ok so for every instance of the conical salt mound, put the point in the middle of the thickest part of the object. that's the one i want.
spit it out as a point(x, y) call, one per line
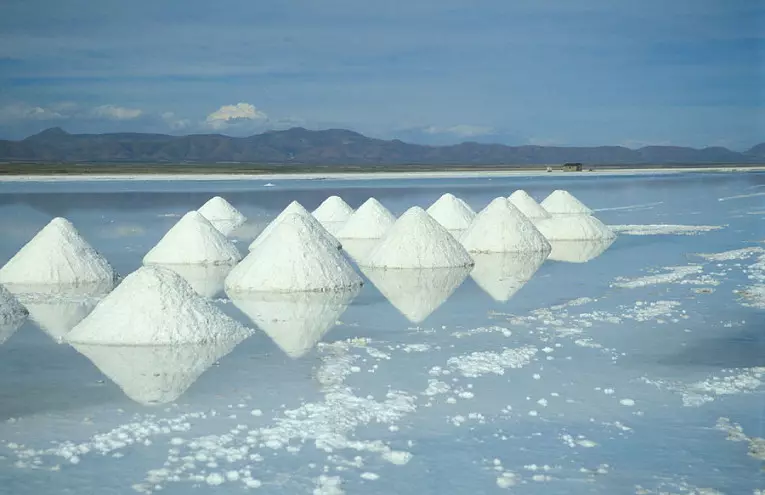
point(528, 206)
point(332, 210)
point(153, 375)
point(56, 255)
point(451, 212)
point(417, 293)
point(561, 202)
point(295, 208)
point(501, 275)
point(578, 251)
point(295, 257)
point(502, 228)
point(10, 308)
point(206, 280)
point(574, 228)
point(294, 321)
point(222, 215)
point(371, 221)
point(359, 249)
point(155, 306)
point(193, 240)
point(416, 240)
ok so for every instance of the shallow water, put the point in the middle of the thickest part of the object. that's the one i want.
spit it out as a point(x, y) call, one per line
point(596, 396)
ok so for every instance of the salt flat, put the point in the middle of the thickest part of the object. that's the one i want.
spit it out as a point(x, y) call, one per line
point(641, 370)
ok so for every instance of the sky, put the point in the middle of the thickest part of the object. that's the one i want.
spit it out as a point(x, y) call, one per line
point(555, 72)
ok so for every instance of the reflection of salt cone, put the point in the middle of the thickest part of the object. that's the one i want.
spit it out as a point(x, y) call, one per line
point(359, 249)
point(206, 280)
point(578, 251)
point(155, 374)
point(57, 309)
point(416, 293)
point(295, 321)
point(501, 275)
point(9, 328)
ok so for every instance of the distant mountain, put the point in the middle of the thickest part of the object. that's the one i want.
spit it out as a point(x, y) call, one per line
point(334, 147)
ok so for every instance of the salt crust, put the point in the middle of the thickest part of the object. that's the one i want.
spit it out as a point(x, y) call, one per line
point(294, 321)
point(416, 240)
point(206, 280)
point(193, 240)
point(294, 257)
point(528, 206)
point(574, 228)
point(333, 210)
point(156, 374)
point(370, 221)
point(56, 255)
point(578, 251)
point(222, 215)
point(295, 208)
point(562, 202)
point(501, 275)
point(416, 293)
point(155, 306)
point(10, 308)
point(451, 212)
point(502, 228)
point(663, 229)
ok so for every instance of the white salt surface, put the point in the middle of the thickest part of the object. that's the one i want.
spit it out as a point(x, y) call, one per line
point(502, 228)
point(155, 306)
point(451, 212)
point(370, 221)
point(206, 280)
point(416, 293)
point(662, 229)
point(501, 275)
point(670, 275)
point(416, 240)
point(222, 215)
point(11, 309)
point(56, 255)
point(561, 202)
point(294, 321)
point(193, 240)
point(359, 249)
point(578, 251)
point(480, 363)
point(528, 206)
point(296, 256)
point(295, 208)
point(333, 210)
point(574, 228)
point(736, 254)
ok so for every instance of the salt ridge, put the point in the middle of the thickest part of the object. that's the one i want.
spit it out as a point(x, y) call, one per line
point(155, 306)
point(574, 228)
point(370, 221)
point(56, 255)
point(295, 208)
point(416, 240)
point(193, 240)
point(296, 256)
point(502, 228)
point(561, 202)
point(451, 212)
point(222, 215)
point(528, 206)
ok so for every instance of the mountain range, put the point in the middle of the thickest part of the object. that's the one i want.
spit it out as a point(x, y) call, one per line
point(337, 147)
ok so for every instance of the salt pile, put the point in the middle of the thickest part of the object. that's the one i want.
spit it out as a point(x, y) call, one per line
point(528, 206)
point(416, 240)
point(371, 221)
point(206, 280)
point(451, 212)
point(56, 255)
point(193, 240)
point(359, 249)
point(502, 228)
point(417, 293)
point(295, 208)
point(12, 314)
point(332, 213)
point(155, 306)
point(501, 275)
point(296, 256)
point(152, 375)
point(222, 215)
point(562, 202)
point(578, 251)
point(294, 321)
point(574, 228)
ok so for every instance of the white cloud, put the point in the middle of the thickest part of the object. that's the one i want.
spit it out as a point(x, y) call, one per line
point(232, 113)
point(114, 112)
point(22, 111)
point(461, 130)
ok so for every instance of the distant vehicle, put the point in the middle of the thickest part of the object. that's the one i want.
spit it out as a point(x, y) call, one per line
point(549, 169)
point(572, 167)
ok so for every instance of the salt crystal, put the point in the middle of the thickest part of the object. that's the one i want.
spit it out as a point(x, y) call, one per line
point(294, 257)
point(562, 202)
point(574, 228)
point(370, 221)
point(451, 212)
point(222, 215)
point(295, 208)
point(193, 240)
point(502, 228)
point(528, 206)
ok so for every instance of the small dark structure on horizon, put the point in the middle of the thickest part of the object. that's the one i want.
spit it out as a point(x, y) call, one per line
point(572, 167)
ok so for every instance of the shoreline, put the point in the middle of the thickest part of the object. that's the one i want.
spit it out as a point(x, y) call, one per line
point(443, 174)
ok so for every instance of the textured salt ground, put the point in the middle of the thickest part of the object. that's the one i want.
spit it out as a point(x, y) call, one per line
point(661, 229)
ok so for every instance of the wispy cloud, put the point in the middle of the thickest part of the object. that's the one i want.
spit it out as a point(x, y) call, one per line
point(23, 111)
point(114, 112)
point(230, 114)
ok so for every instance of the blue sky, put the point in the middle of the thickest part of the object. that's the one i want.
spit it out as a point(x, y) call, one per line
point(586, 72)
